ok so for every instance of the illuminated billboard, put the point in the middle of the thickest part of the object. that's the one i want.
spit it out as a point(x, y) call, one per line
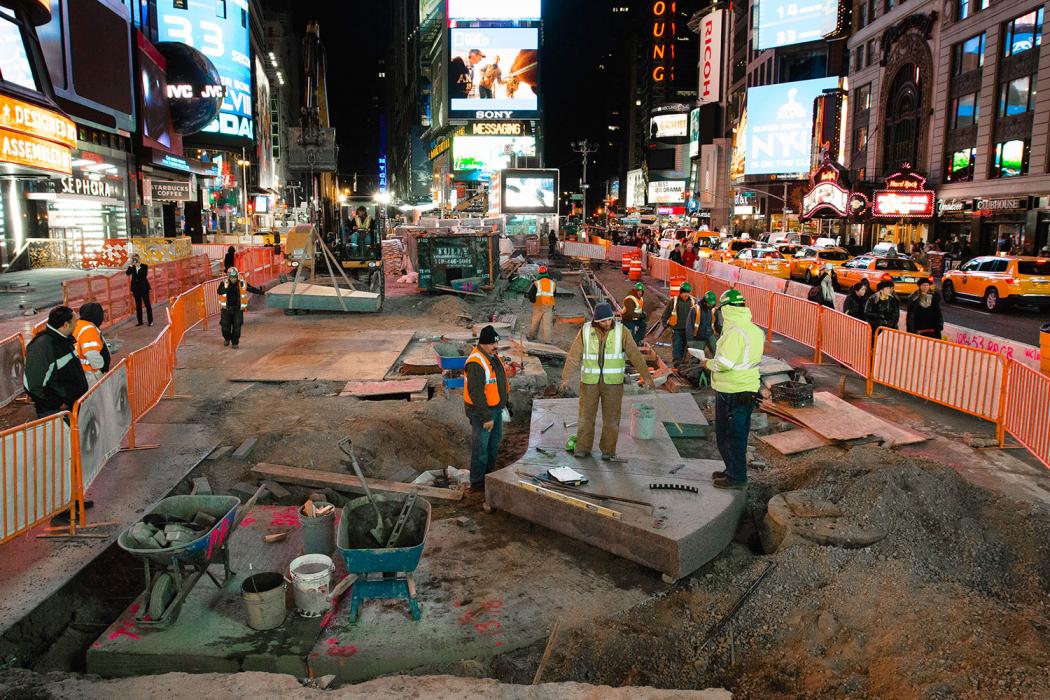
point(488, 154)
point(669, 126)
point(786, 22)
point(667, 192)
point(220, 32)
point(493, 73)
point(778, 137)
point(494, 9)
point(529, 192)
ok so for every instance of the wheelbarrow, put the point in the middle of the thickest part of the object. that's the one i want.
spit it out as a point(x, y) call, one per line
point(172, 572)
point(382, 573)
point(452, 359)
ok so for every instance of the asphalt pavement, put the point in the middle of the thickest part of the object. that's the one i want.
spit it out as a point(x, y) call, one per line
point(1019, 323)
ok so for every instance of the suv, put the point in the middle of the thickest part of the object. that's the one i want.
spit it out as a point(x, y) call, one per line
point(999, 280)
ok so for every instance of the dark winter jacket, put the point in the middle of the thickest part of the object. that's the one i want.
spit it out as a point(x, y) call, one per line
point(53, 376)
point(882, 313)
point(706, 328)
point(233, 295)
point(684, 306)
point(139, 275)
point(475, 378)
point(854, 305)
point(927, 321)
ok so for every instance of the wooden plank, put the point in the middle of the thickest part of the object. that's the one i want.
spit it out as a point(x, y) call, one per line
point(542, 349)
point(794, 441)
point(893, 434)
point(835, 420)
point(360, 356)
point(347, 482)
point(384, 388)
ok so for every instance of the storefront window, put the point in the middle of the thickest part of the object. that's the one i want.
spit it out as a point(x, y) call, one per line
point(965, 110)
point(1011, 158)
point(1016, 96)
point(14, 60)
point(1023, 33)
point(960, 165)
point(968, 55)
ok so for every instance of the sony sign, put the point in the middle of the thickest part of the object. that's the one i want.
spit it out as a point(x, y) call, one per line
point(711, 58)
point(493, 114)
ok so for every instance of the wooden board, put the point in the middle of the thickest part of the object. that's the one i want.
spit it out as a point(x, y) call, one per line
point(834, 419)
point(314, 297)
point(893, 434)
point(385, 388)
point(359, 356)
point(346, 482)
point(542, 349)
point(794, 441)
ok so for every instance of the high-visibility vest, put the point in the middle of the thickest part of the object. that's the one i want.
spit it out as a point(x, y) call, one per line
point(88, 339)
point(491, 385)
point(545, 292)
point(614, 365)
point(244, 294)
point(364, 224)
point(638, 306)
point(673, 320)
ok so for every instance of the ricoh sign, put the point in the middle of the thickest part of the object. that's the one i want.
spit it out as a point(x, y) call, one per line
point(711, 58)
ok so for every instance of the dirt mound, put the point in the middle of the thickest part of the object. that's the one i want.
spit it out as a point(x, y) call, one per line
point(952, 602)
point(447, 309)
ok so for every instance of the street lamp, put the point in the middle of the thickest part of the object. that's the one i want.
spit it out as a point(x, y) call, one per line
point(383, 200)
point(244, 163)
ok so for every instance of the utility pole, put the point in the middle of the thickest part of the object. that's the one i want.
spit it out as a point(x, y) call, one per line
point(585, 148)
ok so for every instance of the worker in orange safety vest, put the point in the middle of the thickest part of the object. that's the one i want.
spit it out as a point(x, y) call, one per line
point(541, 294)
point(91, 346)
point(486, 392)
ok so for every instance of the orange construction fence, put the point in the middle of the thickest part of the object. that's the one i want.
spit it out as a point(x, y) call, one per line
point(846, 340)
point(797, 319)
point(36, 475)
point(1026, 414)
point(760, 302)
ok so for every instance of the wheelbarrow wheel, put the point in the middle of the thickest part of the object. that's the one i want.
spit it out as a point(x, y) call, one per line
point(161, 596)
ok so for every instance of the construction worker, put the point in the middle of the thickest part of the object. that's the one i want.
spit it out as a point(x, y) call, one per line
point(53, 377)
point(362, 226)
point(91, 346)
point(541, 294)
point(233, 300)
point(735, 379)
point(486, 393)
point(700, 330)
point(634, 313)
point(676, 316)
point(601, 350)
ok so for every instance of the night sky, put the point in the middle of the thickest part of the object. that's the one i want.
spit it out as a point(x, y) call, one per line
point(577, 36)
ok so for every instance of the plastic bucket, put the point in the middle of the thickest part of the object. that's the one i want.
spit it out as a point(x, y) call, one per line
point(318, 533)
point(643, 422)
point(263, 596)
point(311, 576)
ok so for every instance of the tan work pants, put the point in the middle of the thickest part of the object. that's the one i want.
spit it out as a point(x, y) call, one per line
point(542, 323)
point(611, 398)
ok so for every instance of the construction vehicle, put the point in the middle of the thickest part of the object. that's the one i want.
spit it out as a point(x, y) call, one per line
point(361, 256)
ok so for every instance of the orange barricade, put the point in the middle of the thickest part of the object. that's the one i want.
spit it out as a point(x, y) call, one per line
point(36, 474)
point(659, 268)
point(760, 302)
point(846, 339)
point(698, 281)
point(150, 371)
point(956, 376)
point(211, 299)
point(797, 319)
point(716, 285)
point(1026, 414)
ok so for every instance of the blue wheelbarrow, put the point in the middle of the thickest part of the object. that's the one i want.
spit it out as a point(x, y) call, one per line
point(376, 571)
point(452, 359)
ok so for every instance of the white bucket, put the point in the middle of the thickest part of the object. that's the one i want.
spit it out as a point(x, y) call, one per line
point(643, 422)
point(311, 583)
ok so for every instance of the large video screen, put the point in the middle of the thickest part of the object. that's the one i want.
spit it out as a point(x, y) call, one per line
point(493, 73)
point(494, 9)
point(489, 153)
point(669, 126)
point(786, 22)
point(530, 192)
point(220, 32)
point(779, 132)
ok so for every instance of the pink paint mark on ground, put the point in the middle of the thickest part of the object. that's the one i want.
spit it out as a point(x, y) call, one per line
point(249, 520)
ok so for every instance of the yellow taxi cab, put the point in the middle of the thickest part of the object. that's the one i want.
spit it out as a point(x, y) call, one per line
point(706, 246)
point(788, 250)
point(728, 249)
point(806, 265)
point(999, 280)
point(903, 272)
point(768, 261)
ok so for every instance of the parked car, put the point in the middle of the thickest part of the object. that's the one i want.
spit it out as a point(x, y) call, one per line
point(904, 273)
point(768, 261)
point(997, 281)
point(885, 250)
point(728, 249)
point(706, 246)
point(807, 263)
point(788, 250)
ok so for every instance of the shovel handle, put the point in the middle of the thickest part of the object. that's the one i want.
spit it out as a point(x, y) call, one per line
point(243, 510)
point(343, 586)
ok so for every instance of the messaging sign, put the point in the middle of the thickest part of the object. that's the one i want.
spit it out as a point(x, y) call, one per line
point(220, 32)
point(779, 131)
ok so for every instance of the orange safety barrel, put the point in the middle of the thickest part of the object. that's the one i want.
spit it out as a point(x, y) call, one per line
point(635, 274)
point(625, 262)
point(676, 284)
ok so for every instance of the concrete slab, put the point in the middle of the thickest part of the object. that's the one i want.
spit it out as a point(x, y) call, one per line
point(360, 356)
point(677, 534)
point(32, 569)
point(211, 633)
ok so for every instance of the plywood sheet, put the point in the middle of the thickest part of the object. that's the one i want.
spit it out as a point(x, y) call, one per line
point(835, 419)
point(385, 388)
point(357, 356)
point(794, 441)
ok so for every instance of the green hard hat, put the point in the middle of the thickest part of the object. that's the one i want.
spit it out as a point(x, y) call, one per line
point(711, 298)
point(686, 287)
point(731, 297)
point(640, 287)
point(570, 444)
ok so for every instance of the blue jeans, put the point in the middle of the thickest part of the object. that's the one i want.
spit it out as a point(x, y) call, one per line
point(678, 345)
point(732, 426)
point(637, 329)
point(484, 444)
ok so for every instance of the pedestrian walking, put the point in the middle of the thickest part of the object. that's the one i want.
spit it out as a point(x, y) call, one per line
point(735, 379)
point(233, 300)
point(676, 254)
point(634, 315)
point(882, 310)
point(855, 301)
point(91, 347)
point(552, 244)
point(700, 325)
point(924, 311)
point(676, 316)
point(230, 258)
point(601, 351)
point(689, 256)
point(826, 284)
point(138, 271)
point(53, 377)
point(486, 392)
point(541, 294)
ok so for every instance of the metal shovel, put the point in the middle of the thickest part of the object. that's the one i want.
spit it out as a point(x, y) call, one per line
point(380, 530)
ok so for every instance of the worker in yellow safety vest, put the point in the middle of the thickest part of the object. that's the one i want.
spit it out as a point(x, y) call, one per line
point(91, 346)
point(601, 351)
point(486, 392)
point(541, 294)
point(233, 300)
